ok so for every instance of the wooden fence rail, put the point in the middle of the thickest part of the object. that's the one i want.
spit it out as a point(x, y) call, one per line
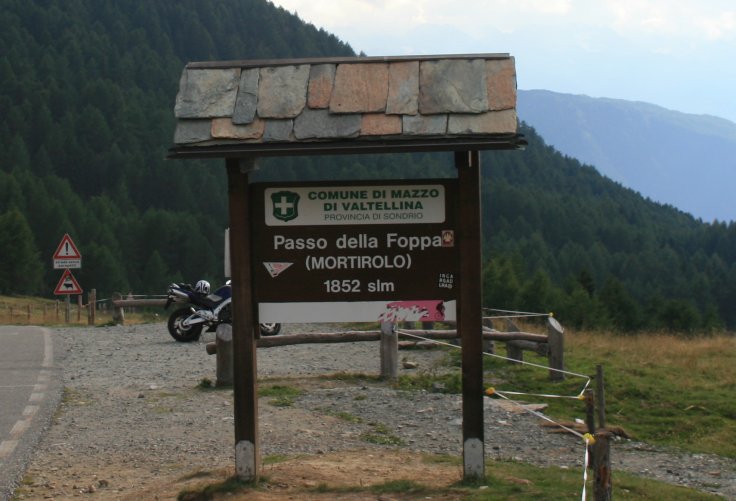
point(119, 304)
point(374, 335)
point(549, 344)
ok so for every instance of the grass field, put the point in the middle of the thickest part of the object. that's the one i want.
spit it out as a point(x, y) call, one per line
point(660, 388)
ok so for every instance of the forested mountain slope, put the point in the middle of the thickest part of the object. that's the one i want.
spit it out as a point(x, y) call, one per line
point(87, 91)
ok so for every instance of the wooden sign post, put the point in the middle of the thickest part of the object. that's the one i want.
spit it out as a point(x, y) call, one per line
point(470, 315)
point(245, 325)
point(244, 110)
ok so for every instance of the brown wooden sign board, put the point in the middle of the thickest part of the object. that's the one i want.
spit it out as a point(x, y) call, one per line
point(384, 251)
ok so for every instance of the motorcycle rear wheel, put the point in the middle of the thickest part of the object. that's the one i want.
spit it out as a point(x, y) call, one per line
point(178, 331)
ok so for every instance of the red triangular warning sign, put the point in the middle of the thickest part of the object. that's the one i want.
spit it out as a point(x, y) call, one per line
point(68, 284)
point(67, 249)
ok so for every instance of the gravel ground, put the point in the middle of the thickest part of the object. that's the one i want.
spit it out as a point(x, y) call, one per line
point(132, 404)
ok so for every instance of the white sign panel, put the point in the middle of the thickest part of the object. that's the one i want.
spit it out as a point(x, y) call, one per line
point(354, 205)
point(358, 311)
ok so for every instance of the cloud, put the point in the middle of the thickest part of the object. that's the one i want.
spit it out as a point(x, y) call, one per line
point(721, 27)
point(705, 20)
point(472, 16)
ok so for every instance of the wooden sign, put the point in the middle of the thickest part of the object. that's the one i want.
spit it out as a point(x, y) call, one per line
point(331, 252)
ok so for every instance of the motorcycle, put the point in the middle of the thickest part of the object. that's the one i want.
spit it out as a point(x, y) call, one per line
point(203, 310)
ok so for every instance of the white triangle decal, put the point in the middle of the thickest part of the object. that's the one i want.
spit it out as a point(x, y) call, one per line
point(275, 269)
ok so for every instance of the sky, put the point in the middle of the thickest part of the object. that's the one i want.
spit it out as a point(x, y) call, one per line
point(679, 54)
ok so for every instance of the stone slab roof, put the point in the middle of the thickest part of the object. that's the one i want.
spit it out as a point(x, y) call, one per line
point(323, 105)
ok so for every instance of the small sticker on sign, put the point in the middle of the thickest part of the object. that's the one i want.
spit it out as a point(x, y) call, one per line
point(448, 238)
point(445, 280)
point(407, 311)
point(275, 269)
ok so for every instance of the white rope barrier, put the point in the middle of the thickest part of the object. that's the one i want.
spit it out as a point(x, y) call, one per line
point(523, 362)
point(587, 438)
point(539, 414)
point(408, 334)
point(517, 314)
point(585, 468)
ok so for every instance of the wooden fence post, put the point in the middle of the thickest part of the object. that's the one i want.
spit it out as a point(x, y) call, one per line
point(512, 351)
point(601, 461)
point(118, 313)
point(224, 347)
point(589, 410)
point(600, 396)
point(91, 306)
point(29, 313)
point(389, 351)
point(556, 342)
point(79, 308)
point(489, 346)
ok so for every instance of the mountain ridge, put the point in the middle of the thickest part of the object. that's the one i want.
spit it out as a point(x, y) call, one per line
point(675, 158)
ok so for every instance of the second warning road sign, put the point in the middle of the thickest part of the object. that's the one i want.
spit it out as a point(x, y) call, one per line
point(68, 284)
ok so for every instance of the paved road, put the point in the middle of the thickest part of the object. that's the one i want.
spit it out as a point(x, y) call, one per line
point(29, 392)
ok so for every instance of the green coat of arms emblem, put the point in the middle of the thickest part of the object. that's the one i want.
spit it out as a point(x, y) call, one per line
point(285, 205)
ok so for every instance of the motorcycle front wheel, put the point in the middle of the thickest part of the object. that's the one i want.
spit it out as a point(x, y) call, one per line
point(269, 329)
point(178, 331)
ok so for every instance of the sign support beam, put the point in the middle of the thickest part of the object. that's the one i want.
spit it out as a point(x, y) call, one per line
point(470, 316)
point(245, 394)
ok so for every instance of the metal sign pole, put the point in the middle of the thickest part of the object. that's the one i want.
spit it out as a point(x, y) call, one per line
point(470, 316)
point(245, 371)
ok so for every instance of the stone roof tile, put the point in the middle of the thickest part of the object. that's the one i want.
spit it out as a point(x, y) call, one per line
point(453, 86)
point(378, 124)
point(282, 91)
point(424, 125)
point(224, 128)
point(360, 88)
point(321, 124)
point(321, 80)
point(403, 88)
point(247, 100)
point(207, 93)
point(501, 82)
point(491, 122)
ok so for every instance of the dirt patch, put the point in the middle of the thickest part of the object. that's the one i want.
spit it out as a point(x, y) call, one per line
point(299, 478)
point(335, 476)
